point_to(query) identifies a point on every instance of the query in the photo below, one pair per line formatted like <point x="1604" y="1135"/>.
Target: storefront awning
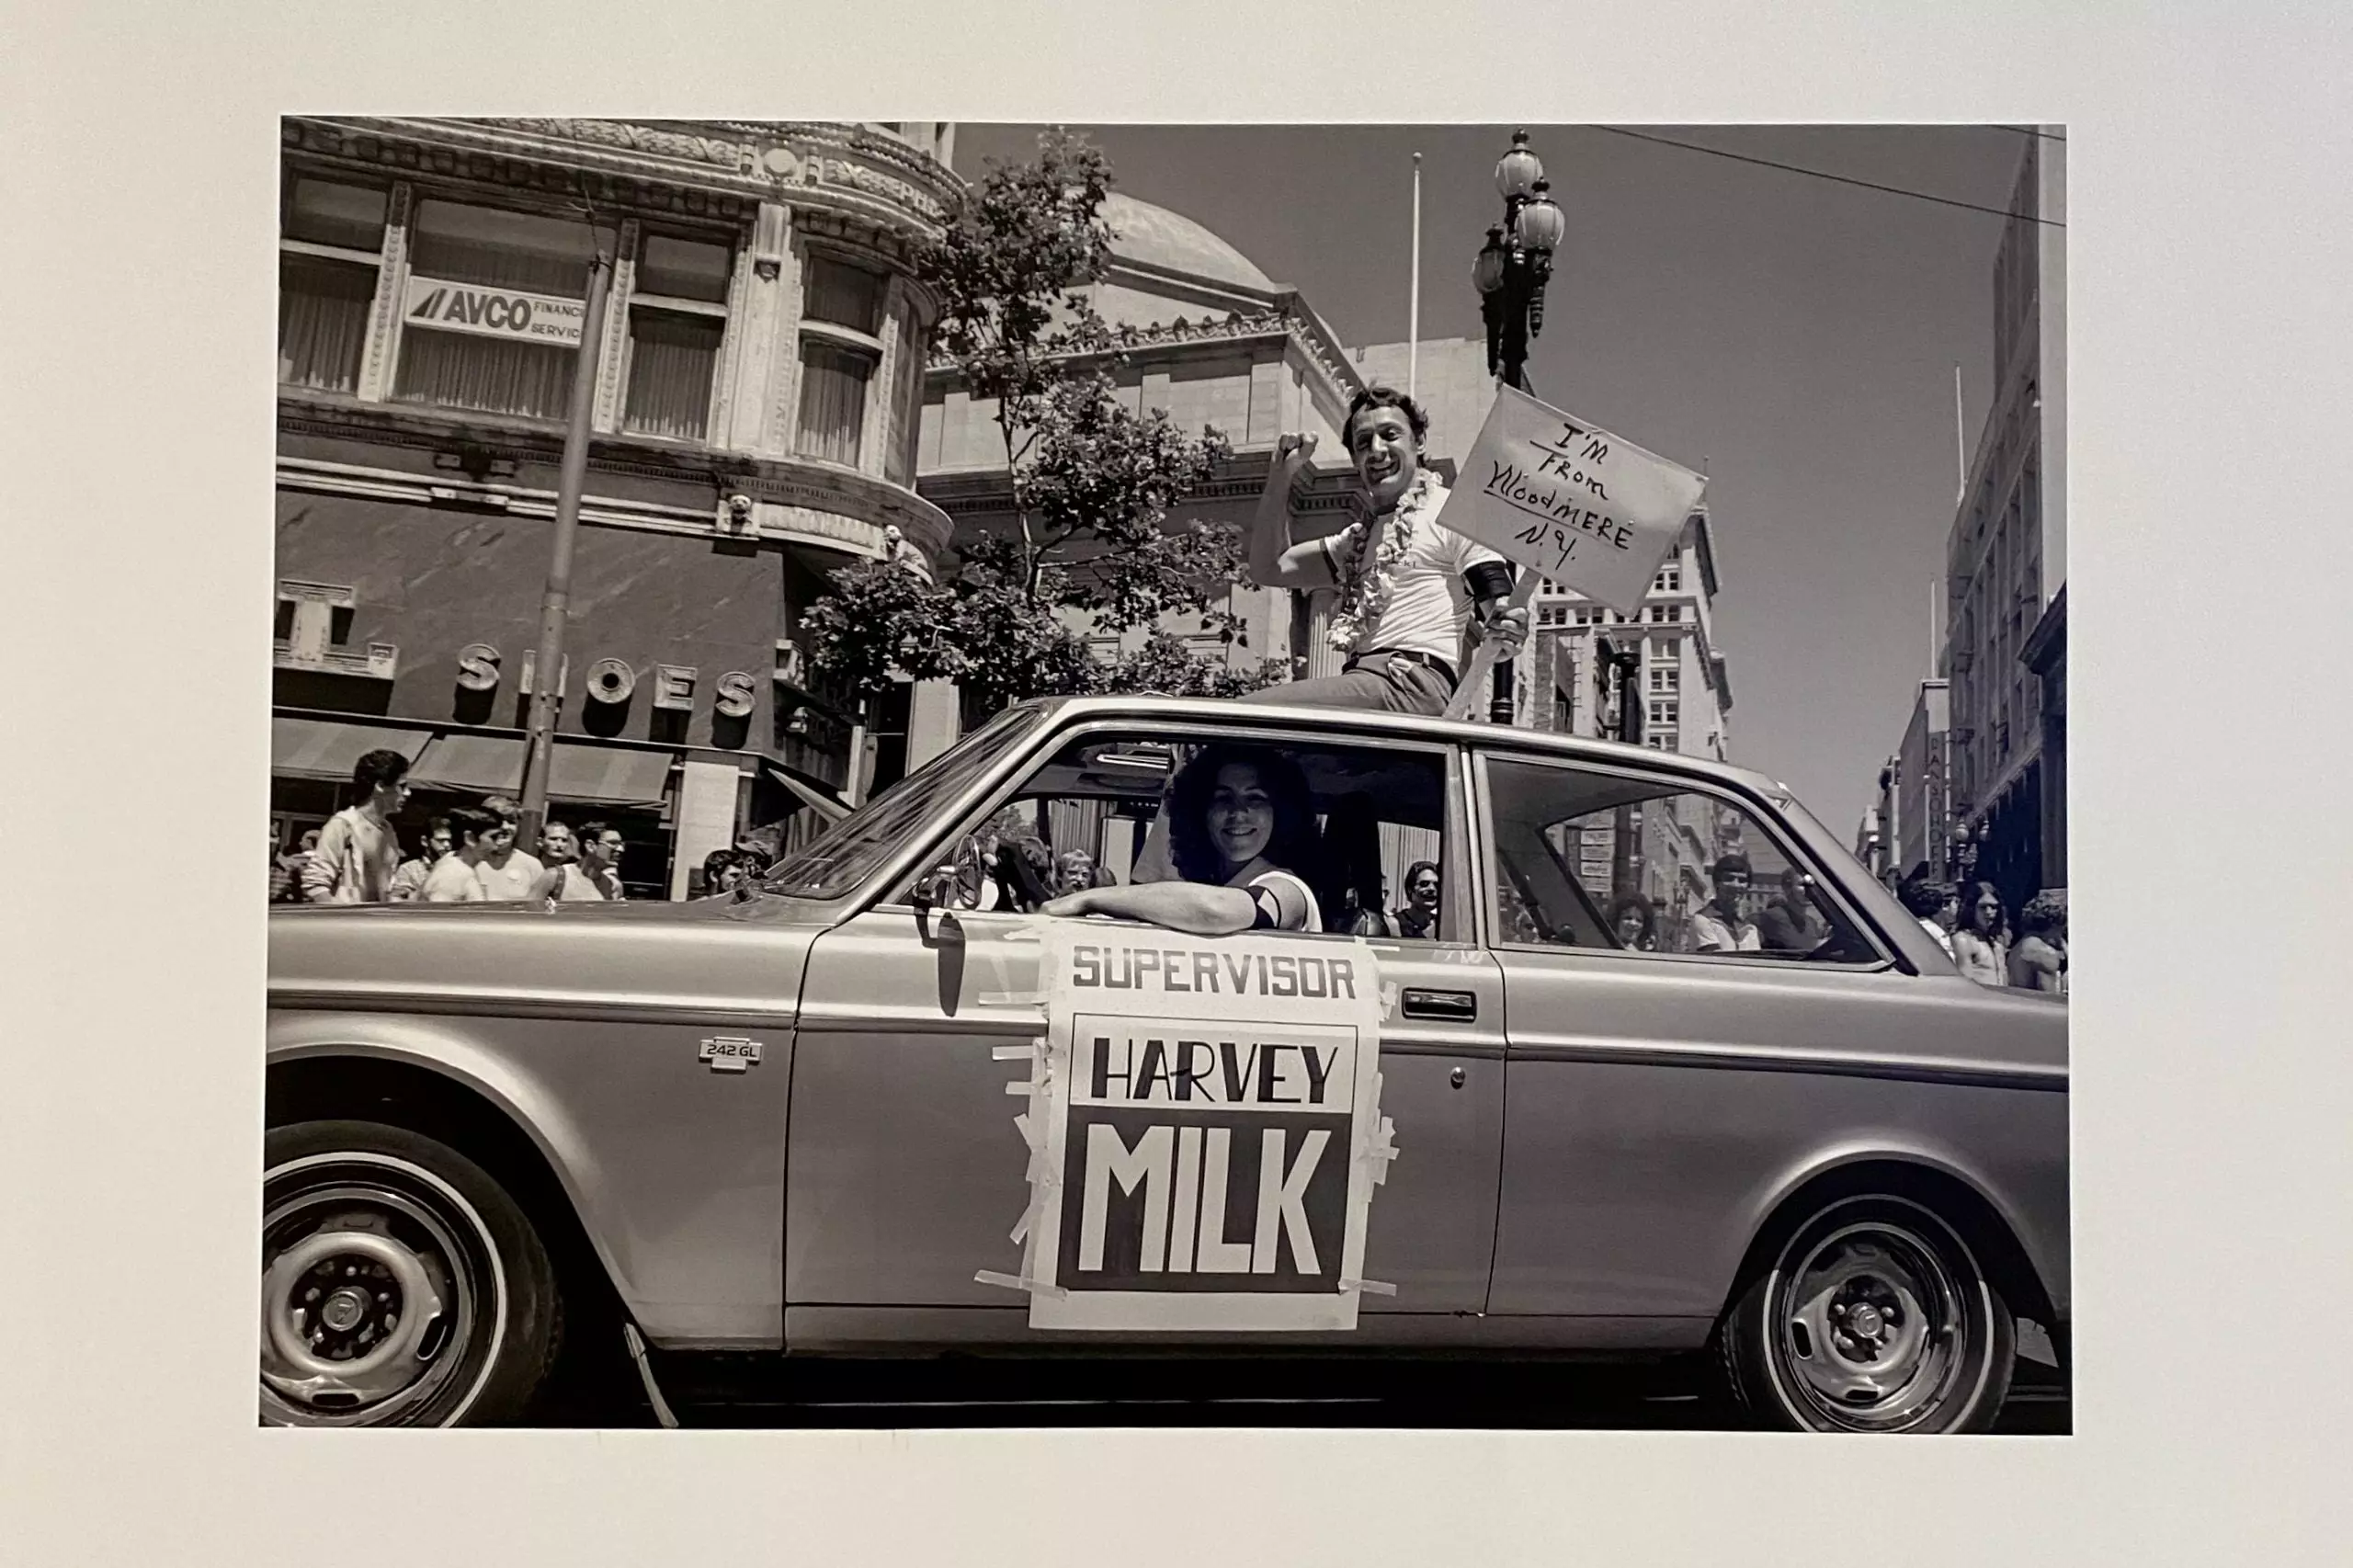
<point x="824" y="804"/>
<point x="493" y="764"/>
<point x="327" y="748"/>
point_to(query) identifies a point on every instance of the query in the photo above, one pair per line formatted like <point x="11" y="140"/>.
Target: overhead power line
<point x="1819" y="174"/>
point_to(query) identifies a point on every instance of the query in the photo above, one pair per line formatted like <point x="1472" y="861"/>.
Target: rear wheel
<point x="1874" y="1315"/>
<point x="401" y="1285"/>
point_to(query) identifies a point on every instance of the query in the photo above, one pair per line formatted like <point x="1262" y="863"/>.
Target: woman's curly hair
<point x="1295" y="845"/>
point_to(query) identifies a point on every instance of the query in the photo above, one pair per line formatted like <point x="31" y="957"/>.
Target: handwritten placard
<point x="1569" y="501"/>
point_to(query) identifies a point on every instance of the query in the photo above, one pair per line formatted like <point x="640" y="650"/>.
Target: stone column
<point x="933" y="711"/>
<point x="1323" y="659"/>
<point x="707" y="811"/>
<point x="759" y="319"/>
<point x="874" y="431"/>
<point x="612" y="359"/>
<point x="382" y="353"/>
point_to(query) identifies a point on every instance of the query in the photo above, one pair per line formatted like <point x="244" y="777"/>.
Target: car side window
<point x="1583" y="858"/>
<point x="1368" y="836"/>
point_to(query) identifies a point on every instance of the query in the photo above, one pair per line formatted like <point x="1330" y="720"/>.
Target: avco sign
<point x="492" y="312"/>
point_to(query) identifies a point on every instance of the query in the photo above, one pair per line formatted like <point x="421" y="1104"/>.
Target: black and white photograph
<point x="1308" y="791"/>
<point x="1298" y="775"/>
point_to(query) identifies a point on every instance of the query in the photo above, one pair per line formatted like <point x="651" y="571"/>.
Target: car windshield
<point x="853" y="848"/>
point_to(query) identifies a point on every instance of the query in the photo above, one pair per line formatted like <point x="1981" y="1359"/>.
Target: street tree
<point x="1087" y="548"/>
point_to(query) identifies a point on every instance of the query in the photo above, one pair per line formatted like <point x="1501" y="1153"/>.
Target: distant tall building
<point x="1684" y="684"/>
<point x="2004" y="654"/>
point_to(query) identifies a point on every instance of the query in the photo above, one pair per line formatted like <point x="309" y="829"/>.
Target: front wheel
<point x="1872" y="1316"/>
<point x="401" y="1286"/>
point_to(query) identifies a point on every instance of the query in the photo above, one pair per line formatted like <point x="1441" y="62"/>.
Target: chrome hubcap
<point x="1871" y="1324"/>
<point x="367" y="1298"/>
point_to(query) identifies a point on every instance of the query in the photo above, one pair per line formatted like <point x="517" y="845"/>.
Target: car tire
<point x="1871" y="1315"/>
<point x="401" y="1285"/>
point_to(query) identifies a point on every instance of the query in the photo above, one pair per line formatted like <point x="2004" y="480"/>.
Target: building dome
<point x="1155" y="236"/>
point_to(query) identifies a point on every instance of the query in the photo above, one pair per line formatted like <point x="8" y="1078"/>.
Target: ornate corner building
<point x="757" y="416"/>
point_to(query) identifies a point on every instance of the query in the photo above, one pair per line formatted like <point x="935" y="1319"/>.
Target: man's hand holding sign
<point x="1567" y="502"/>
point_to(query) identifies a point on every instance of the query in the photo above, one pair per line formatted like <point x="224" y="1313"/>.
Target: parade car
<point x="776" y="1123"/>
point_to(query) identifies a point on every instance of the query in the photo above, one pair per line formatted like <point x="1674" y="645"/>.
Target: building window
<point x="677" y="316"/>
<point x="1670" y="580"/>
<point x="1665" y="713"/>
<point x="330" y="250"/>
<point x="1667" y="648"/>
<point x="479" y="279"/>
<point x="1661" y="740"/>
<point x="841" y="346"/>
<point x="1665" y="679"/>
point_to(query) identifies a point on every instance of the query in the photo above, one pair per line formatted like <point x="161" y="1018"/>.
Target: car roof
<point x="1367" y="721"/>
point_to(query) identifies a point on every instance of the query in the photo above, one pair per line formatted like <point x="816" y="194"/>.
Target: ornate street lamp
<point x="1510" y="272"/>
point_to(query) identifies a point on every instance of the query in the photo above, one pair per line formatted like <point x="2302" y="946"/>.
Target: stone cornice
<point x="792" y="497"/>
<point x="1299" y="325"/>
<point x="664" y="165"/>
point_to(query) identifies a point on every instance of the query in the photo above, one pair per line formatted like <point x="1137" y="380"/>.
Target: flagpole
<point x="1414" y="304"/>
<point x="1959" y="443"/>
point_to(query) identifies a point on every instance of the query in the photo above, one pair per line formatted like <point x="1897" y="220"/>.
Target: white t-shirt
<point x="451" y="880"/>
<point x="1314" y="921"/>
<point x="1709" y="934"/>
<point x="511" y="883"/>
<point x="1428" y="604"/>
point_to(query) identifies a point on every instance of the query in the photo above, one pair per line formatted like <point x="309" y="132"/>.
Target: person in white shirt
<point x="358" y="852"/>
<point x="456" y="877"/>
<point x="1408" y="588"/>
<point x="1721" y="925"/>
<point x="1935" y="906"/>
<point x="1244" y="839"/>
<point x="508" y="870"/>
<point x="409" y="880"/>
<point x="1978" y="946"/>
<point x="580" y="865"/>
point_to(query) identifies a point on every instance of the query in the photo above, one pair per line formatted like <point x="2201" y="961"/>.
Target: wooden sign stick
<point x="1475" y="680"/>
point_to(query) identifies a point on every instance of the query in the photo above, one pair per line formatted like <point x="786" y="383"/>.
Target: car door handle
<point x="1454" y="1006"/>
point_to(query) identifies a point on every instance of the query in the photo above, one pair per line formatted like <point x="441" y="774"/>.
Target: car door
<point x="905" y="1173"/>
<point x="1658" y="1097"/>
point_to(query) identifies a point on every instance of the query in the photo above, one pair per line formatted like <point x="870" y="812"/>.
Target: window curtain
<point x="1077" y="825"/>
<point x="671" y="360"/>
<point x="322" y="322"/>
<point x="459" y="370"/>
<point x="502" y="250"/>
<point x="844" y="296"/>
<point x="833" y="402"/>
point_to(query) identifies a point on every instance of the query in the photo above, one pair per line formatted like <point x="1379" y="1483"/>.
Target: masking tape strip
<point x="1389" y="1001"/>
<point x="1025" y="1086"/>
<point x="1014" y="1052"/>
<point x="1010" y="999"/>
<point x="1369" y="1287"/>
<point x="1016" y="1282"/>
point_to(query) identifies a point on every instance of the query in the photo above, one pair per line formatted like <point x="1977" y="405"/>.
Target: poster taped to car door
<point x="1574" y="503"/>
<point x="1204" y="1131"/>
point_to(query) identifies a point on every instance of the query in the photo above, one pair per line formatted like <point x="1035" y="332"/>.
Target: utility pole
<point x="547" y="677"/>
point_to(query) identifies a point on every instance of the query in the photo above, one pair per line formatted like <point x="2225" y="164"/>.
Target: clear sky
<point x="1795" y="335"/>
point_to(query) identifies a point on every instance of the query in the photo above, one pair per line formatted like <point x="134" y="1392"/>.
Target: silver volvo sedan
<point x="1669" y="1073"/>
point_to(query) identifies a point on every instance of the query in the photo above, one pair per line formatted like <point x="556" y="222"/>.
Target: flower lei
<point x="1364" y="594"/>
